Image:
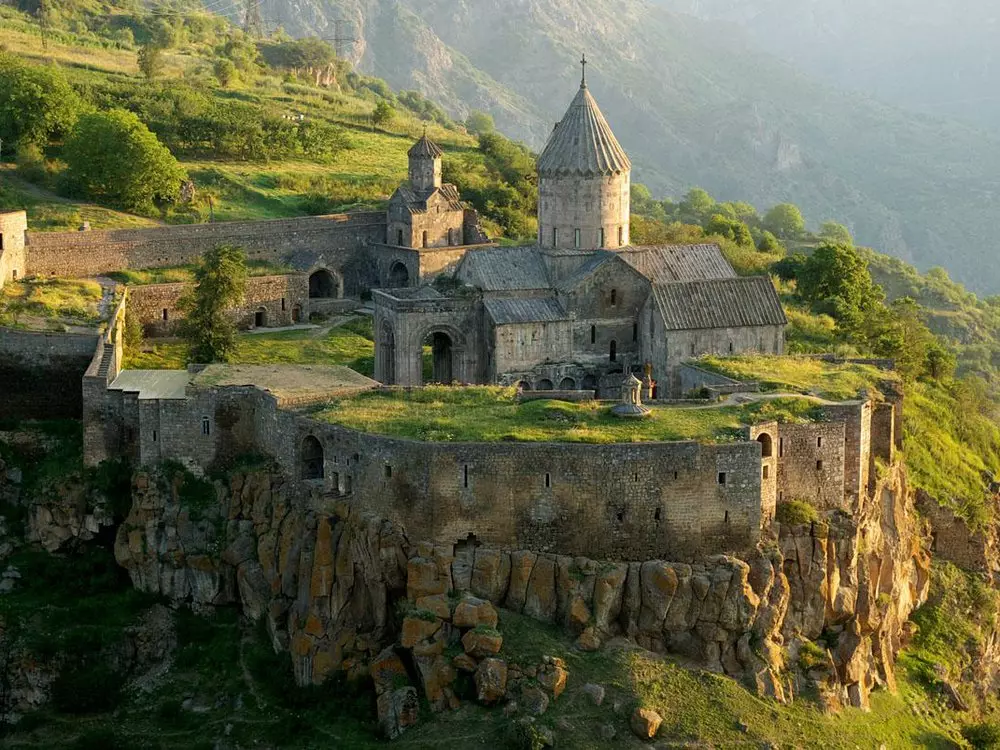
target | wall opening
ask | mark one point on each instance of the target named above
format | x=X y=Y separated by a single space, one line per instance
x=576 y=238
x=465 y=476
x=523 y=385
x=335 y=481
x=548 y=480
x=613 y=352
x=567 y=384
x=555 y=236
x=656 y=515
x=819 y=442
x=614 y=297
x=260 y=318
x=765 y=473
x=165 y=314
x=388 y=471
x=722 y=478
x=621 y=236
x=819 y=465
x=589 y=383
x=726 y=519
x=282 y=304
x=311 y=459
x=324 y=285
x=635 y=331
x=297 y=314
x=399 y=276
x=440 y=367
x=600 y=237
x=544 y=385
x=593 y=334
x=424 y=238
x=13 y=274
x=206 y=426
x=781 y=447
x=766 y=445
x=399 y=237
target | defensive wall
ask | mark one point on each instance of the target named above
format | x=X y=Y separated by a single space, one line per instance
x=13 y=226
x=676 y=500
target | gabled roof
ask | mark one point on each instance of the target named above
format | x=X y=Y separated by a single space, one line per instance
x=506 y=311
x=663 y=264
x=593 y=264
x=719 y=303
x=417 y=202
x=583 y=143
x=425 y=148
x=497 y=269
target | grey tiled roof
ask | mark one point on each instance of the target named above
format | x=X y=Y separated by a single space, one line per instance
x=417 y=202
x=497 y=269
x=514 y=310
x=582 y=143
x=719 y=303
x=425 y=147
x=663 y=264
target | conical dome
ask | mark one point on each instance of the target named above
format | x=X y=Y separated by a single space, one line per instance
x=582 y=143
x=425 y=148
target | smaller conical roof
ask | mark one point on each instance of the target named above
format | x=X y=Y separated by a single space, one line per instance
x=583 y=143
x=426 y=148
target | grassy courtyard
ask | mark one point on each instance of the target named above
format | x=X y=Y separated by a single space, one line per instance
x=490 y=414
x=50 y=304
x=185 y=274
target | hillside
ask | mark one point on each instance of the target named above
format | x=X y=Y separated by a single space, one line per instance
x=694 y=103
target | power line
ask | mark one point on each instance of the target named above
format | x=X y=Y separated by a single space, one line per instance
x=253 y=23
x=339 y=37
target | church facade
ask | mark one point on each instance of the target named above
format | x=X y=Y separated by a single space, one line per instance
x=579 y=308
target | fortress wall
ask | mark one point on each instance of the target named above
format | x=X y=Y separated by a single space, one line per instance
x=157 y=304
x=102 y=416
x=811 y=463
x=73 y=254
x=40 y=373
x=883 y=432
x=857 y=418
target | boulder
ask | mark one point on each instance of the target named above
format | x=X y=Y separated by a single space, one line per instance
x=418 y=627
x=491 y=575
x=387 y=671
x=595 y=692
x=491 y=680
x=521 y=566
x=398 y=710
x=589 y=640
x=540 y=600
x=436 y=677
x=464 y=662
x=645 y=723
x=482 y=642
x=534 y=700
x=553 y=678
x=472 y=612
x=437 y=604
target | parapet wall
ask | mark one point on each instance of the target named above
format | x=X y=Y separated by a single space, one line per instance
x=13 y=225
x=75 y=254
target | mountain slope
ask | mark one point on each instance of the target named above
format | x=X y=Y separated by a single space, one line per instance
x=694 y=103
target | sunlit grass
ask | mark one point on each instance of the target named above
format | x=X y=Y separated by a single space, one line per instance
x=180 y=274
x=70 y=301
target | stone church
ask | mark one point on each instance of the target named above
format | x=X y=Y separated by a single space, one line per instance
x=574 y=310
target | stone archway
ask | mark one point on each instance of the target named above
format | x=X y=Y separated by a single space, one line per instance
x=385 y=364
x=567 y=384
x=441 y=365
x=311 y=459
x=544 y=385
x=766 y=445
x=399 y=276
x=324 y=284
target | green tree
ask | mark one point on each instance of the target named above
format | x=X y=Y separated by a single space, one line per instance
x=768 y=243
x=479 y=123
x=113 y=158
x=730 y=228
x=697 y=206
x=225 y=70
x=835 y=280
x=220 y=284
x=384 y=113
x=37 y=104
x=150 y=60
x=785 y=221
x=831 y=231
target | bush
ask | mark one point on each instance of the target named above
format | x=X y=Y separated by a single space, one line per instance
x=795 y=513
x=982 y=736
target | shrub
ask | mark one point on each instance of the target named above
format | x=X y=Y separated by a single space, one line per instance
x=795 y=513
x=982 y=736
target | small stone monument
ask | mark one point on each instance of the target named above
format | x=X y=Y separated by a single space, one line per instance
x=631 y=403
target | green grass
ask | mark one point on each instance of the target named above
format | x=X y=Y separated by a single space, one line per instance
x=343 y=345
x=175 y=274
x=50 y=303
x=800 y=374
x=485 y=413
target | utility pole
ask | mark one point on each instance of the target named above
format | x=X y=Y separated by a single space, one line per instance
x=340 y=37
x=253 y=22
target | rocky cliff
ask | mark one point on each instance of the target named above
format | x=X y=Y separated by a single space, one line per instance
x=824 y=603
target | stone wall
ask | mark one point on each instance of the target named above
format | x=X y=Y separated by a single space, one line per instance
x=597 y=206
x=40 y=373
x=857 y=420
x=284 y=300
x=811 y=464
x=522 y=346
x=104 y=427
x=13 y=225
x=306 y=241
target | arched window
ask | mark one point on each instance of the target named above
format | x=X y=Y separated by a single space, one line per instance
x=766 y=445
x=311 y=460
x=425 y=238
x=613 y=355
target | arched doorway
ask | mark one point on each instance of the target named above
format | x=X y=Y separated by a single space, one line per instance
x=324 y=285
x=399 y=276
x=766 y=445
x=311 y=460
x=567 y=384
x=438 y=364
x=544 y=385
x=589 y=383
x=297 y=314
x=385 y=366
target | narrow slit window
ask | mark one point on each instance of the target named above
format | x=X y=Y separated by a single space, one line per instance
x=154 y=436
x=282 y=304
x=555 y=236
x=548 y=480
x=576 y=238
x=819 y=442
x=635 y=331
x=600 y=238
x=465 y=477
x=781 y=447
x=726 y=520
x=722 y=478
x=614 y=296
x=819 y=465
x=621 y=236
x=388 y=471
x=206 y=426
x=613 y=353
x=165 y=314
x=766 y=472
x=593 y=334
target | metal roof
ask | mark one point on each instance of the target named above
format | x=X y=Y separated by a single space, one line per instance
x=513 y=310
x=720 y=303
x=583 y=143
x=663 y=264
x=498 y=269
x=152 y=384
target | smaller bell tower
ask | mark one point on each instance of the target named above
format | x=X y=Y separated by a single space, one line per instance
x=425 y=165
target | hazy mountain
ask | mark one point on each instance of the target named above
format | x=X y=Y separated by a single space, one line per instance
x=695 y=102
x=937 y=55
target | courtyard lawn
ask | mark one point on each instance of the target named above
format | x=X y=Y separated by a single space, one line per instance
x=174 y=274
x=490 y=414
x=344 y=345
x=50 y=303
x=800 y=374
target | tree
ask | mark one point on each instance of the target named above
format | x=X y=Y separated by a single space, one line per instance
x=113 y=158
x=785 y=221
x=384 y=113
x=150 y=60
x=831 y=231
x=835 y=280
x=768 y=243
x=697 y=206
x=225 y=71
x=37 y=104
x=730 y=228
x=220 y=284
x=478 y=122
x=790 y=268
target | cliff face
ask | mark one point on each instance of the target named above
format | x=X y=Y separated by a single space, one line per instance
x=327 y=580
